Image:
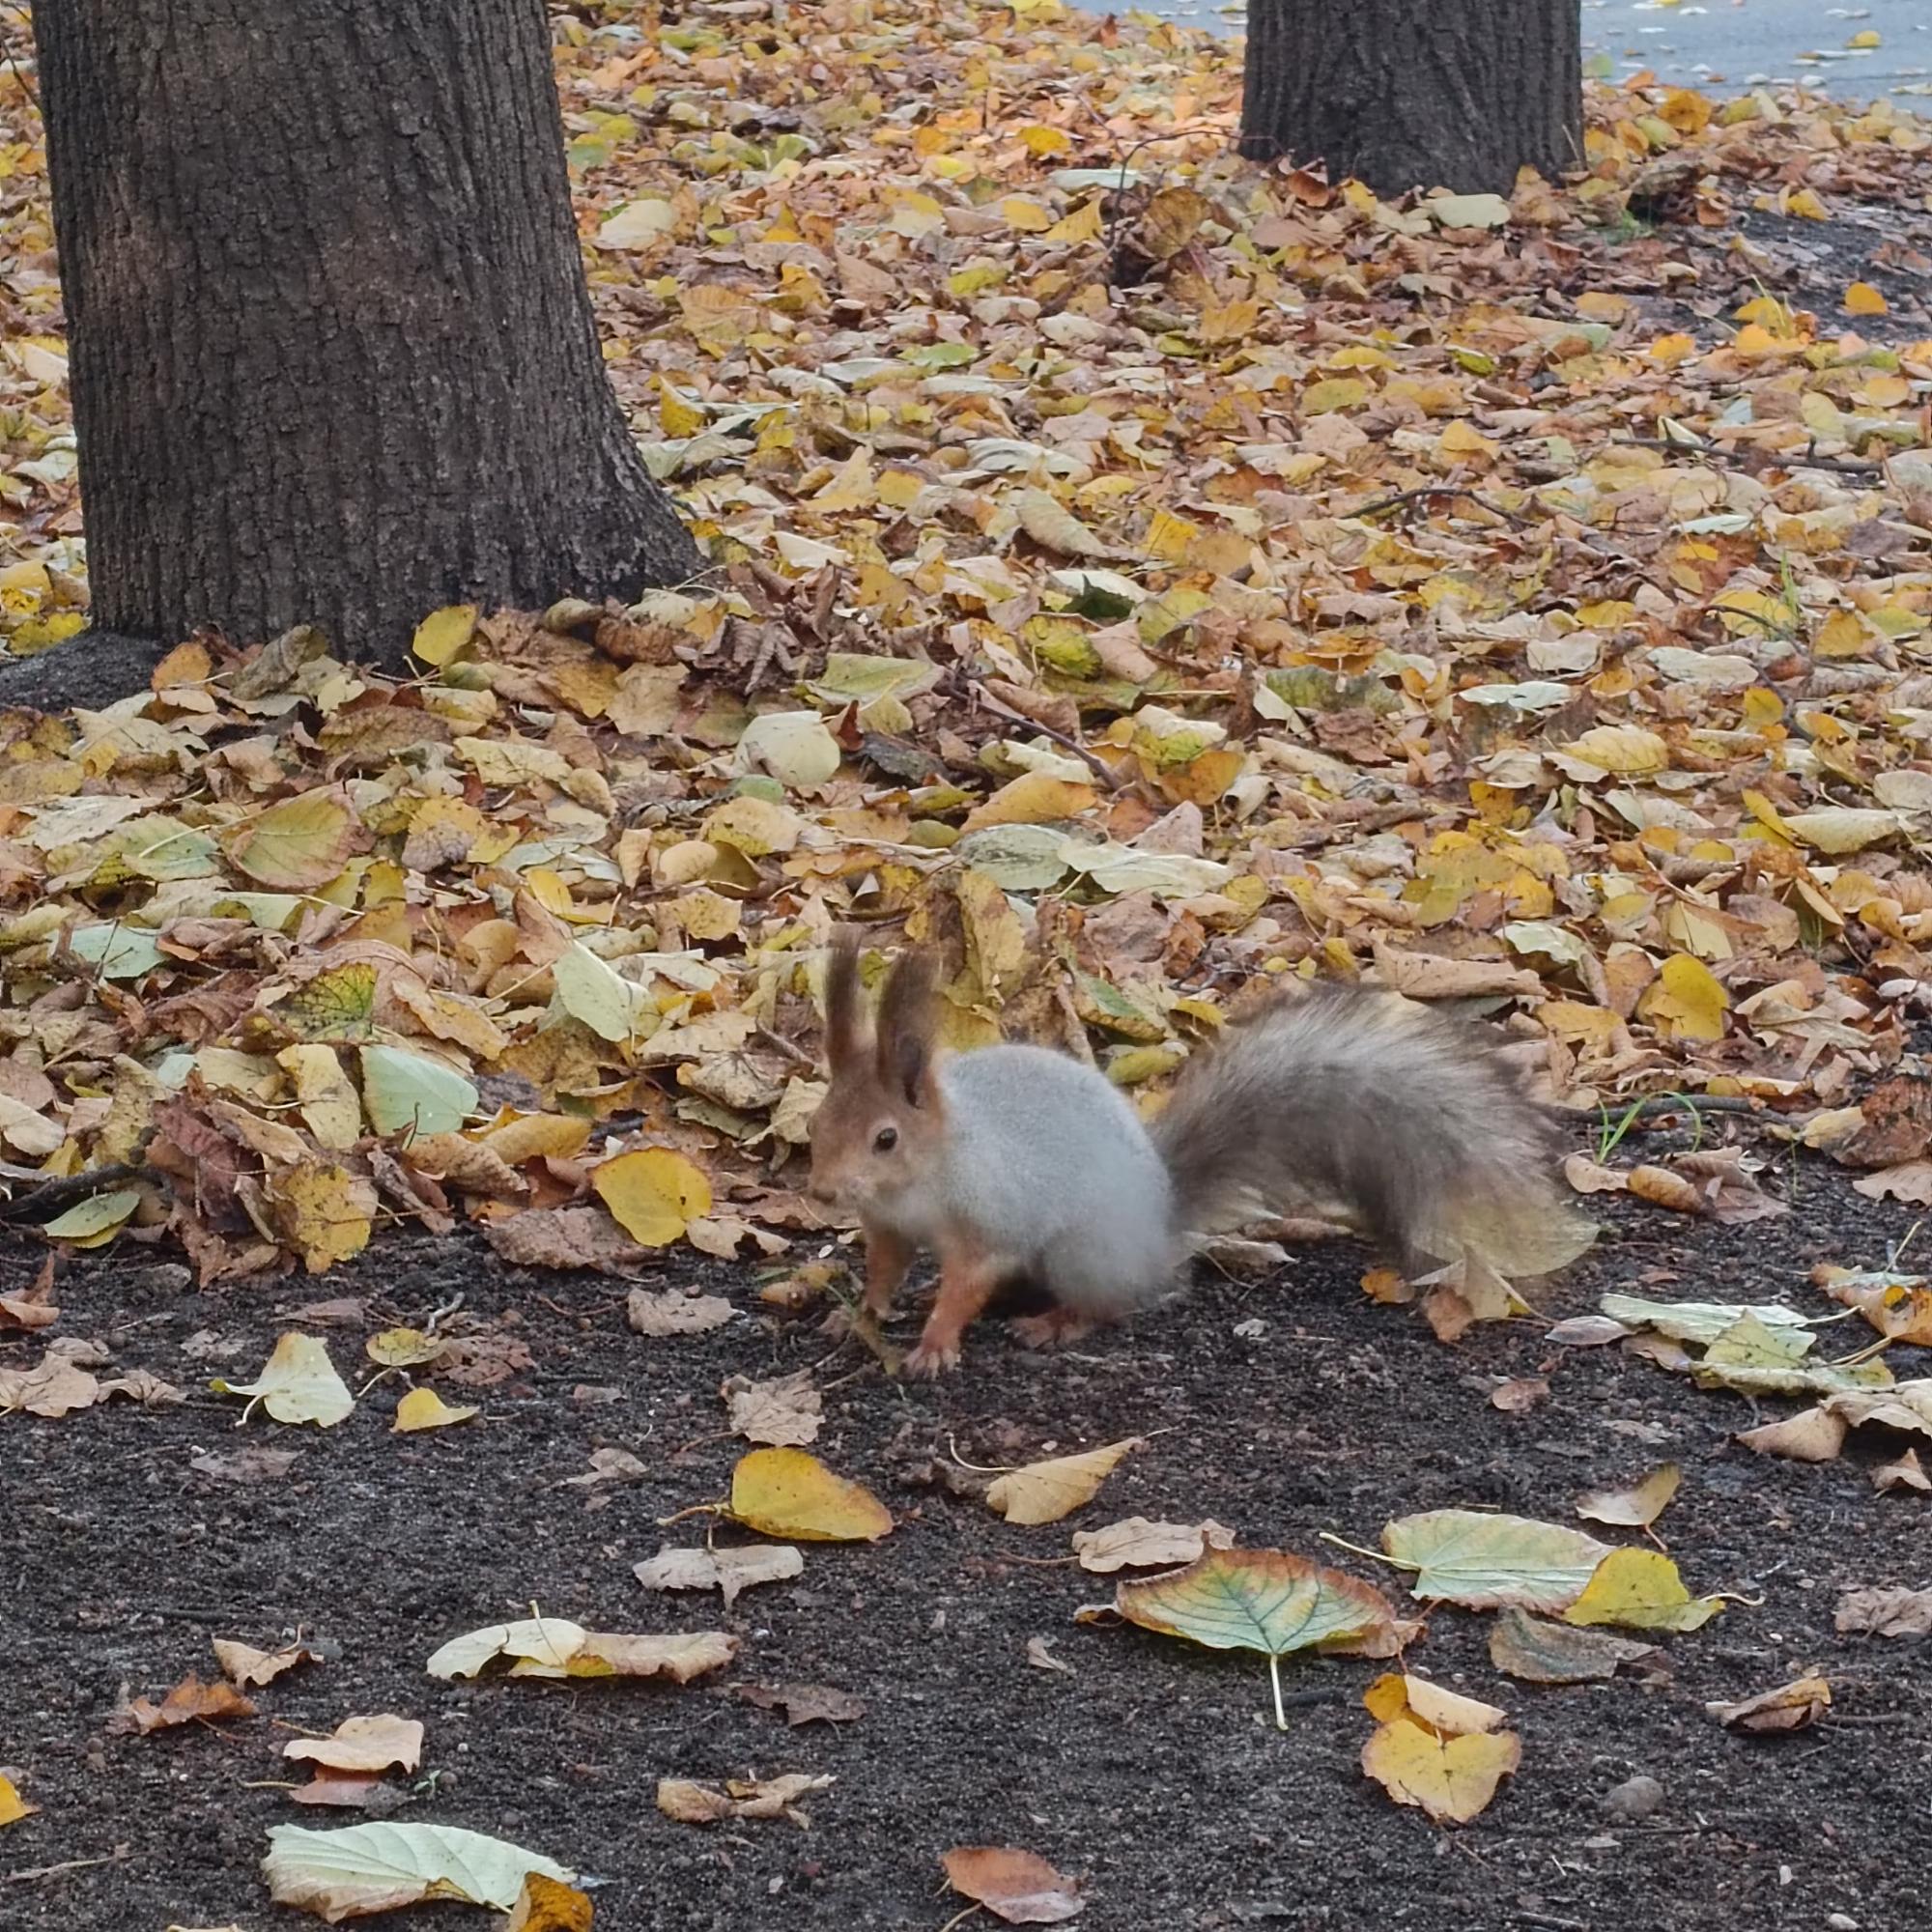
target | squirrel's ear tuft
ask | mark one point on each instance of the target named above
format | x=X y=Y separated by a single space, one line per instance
x=908 y=1020
x=844 y=1001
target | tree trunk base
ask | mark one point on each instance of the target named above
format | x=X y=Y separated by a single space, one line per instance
x=90 y=670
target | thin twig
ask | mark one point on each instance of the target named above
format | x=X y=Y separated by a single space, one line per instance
x=32 y=1872
x=65 y=1190
x=1745 y=457
x=1436 y=489
x=960 y=685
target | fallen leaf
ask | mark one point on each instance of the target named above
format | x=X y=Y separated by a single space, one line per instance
x=1903 y=1473
x=1019 y=1887
x=804 y=1703
x=299 y=1384
x=13 y=1807
x=1641 y=1589
x=547 y=1905
x=423 y=1408
x=653 y=1193
x=1811 y=1436
x=692 y=1804
x=787 y=1493
x=243 y=1664
x=671 y=1312
x=366 y=1745
x=1539 y=1651
x=1637 y=1506
x=1884 y=1612
x=1791 y=1707
x=381 y=1867
x=1135 y=1543
x=1046 y=1491
x=1451 y=1778
x=725 y=1570
x=1484 y=1562
x=190 y=1702
x=787 y=1411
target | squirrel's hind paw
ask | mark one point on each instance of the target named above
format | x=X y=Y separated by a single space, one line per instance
x=930 y=1360
x=1054 y=1329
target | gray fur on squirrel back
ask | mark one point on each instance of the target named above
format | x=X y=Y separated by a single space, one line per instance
x=1347 y=1102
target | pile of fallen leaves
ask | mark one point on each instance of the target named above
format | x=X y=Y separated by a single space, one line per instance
x=1139 y=572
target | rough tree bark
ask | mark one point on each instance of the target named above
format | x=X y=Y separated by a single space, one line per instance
x=1408 y=93
x=332 y=351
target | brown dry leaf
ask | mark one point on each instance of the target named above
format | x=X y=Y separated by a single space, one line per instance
x=1903 y=1473
x=1018 y=1888
x=245 y=1466
x=364 y=1744
x=784 y=1411
x=190 y=1701
x=692 y=1804
x=56 y=1385
x=1791 y=1707
x=1539 y=1651
x=32 y=1307
x=1884 y=1612
x=243 y=1664
x=1811 y=1436
x=671 y=1312
x=565 y=1238
x=1662 y=1188
x=346 y=1791
x=607 y=1654
x=1637 y=1505
x=804 y=1703
x=1519 y=1395
x=1899 y=1306
x=727 y=1571
x=1046 y=1491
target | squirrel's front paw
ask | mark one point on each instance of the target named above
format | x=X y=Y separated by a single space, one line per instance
x=931 y=1359
x=1054 y=1329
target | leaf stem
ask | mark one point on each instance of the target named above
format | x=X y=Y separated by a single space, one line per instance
x=1274 y=1676
x=1374 y=1555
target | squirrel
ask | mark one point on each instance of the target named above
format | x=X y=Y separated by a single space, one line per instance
x=1016 y=1162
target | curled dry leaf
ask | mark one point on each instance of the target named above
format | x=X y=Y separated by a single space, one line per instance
x=1637 y=1506
x=608 y=1465
x=787 y=1493
x=1904 y=1474
x=727 y=1571
x=1899 y=1306
x=1046 y=1491
x=1397 y=1694
x=694 y=1804
x=190 y=1701
x=1790 y=1707
x=1811 y=1436
x=243 y=1664
x=548 y=1639
x=1137 y=1544
x=366 y=1745
x=1019 y=1887
x=603 y=1653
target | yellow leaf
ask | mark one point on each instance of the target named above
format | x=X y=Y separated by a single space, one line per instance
x=1396 y=1695
x=1861 y=298
x=1026 y=214
x=1867 y=37
x=1044 y=141
x=404 y=1348
x=297 y=845
x=677 y=415
x=1168 y=538
x=852 y=486
x=1688 y=112
x=787 y=1492
x=330 y=1106
x=1627 y=749
x=424 y=1408
x=549 y=1905
x=322 y=1210
x=530 y=1136
x=1459 y=439
x=1450 y=1778
x=1641 y=1589
x=338 y=1003
x=1686 y=1001
x=653 y=1193
x=1033 y=798
x=1046 y=1491
x=1172 y=221
x=443 y=633
x=13 y=1807
x=1086 y=223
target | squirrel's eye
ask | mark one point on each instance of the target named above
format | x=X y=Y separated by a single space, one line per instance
x=885 y=1140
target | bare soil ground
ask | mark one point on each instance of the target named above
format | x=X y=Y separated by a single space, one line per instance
x=1153 y=1769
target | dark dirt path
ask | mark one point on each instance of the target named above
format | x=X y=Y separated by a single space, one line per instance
x=1152 y=1770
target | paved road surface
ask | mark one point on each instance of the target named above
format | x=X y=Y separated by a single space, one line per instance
x=1725 y=45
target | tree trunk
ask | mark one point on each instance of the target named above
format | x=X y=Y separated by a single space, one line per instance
x=1405 y=93
x=332 y=351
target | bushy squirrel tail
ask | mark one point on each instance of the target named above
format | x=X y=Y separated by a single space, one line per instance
x=1356 y=1104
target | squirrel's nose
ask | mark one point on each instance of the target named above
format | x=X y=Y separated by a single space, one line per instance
x=824 y=1192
